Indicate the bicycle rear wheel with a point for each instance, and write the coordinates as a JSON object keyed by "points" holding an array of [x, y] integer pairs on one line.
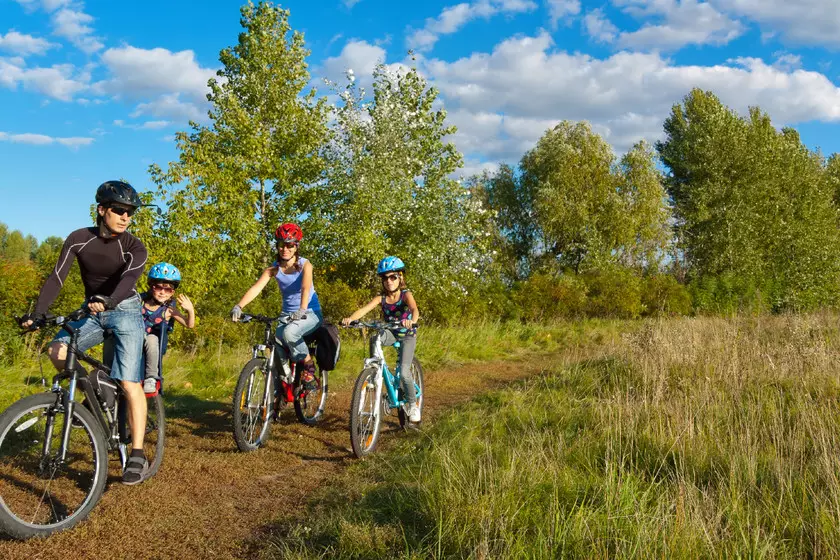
{"points": [[155, 435], [252, 406], [417, 373], [40, 493], [310, 405], [364, 416]]}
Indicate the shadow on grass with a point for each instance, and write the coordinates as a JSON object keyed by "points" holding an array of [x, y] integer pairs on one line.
{"points": [[210, 417]]}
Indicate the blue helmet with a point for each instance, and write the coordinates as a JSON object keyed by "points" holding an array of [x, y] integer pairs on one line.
{"points": [[165, 272], [390, 264]]}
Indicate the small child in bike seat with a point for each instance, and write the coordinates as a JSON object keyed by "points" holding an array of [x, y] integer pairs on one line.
{"points": [[397, 304], [159, 312]]}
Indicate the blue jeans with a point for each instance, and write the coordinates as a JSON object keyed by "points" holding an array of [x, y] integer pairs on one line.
{"points": [[290, 336], [126, 323]]}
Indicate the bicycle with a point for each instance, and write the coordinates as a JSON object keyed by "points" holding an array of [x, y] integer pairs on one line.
{"points": [[253, 400], [54, 449], [365, 408]]}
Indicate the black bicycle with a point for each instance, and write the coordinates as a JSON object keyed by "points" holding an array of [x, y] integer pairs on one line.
{"points": [[265, 386], [54, 449]]}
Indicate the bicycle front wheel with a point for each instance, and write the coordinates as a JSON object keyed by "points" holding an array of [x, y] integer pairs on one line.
{"points": [[252, 406], [41, 493], [310, 405], [365, 417]]}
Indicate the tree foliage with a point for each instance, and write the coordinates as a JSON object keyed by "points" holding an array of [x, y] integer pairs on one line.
{"points": [[251, 167], [751, 201]]}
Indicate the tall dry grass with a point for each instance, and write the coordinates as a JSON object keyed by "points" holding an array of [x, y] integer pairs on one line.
{"points": [[687, 438]]}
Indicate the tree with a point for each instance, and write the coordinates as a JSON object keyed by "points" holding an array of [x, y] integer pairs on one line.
{"points": [[389, 190], [573, 206], [752, 203], [250, 168]]}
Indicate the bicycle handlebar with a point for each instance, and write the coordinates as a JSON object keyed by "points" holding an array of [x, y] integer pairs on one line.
{"points": [[48, 319], [379, 325]]}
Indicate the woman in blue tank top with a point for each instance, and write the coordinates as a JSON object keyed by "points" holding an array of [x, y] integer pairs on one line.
{"points": [[293, 274]]}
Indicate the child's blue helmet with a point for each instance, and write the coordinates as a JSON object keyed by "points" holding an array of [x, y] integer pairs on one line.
{"points": [[390, 264], [165, 272]]}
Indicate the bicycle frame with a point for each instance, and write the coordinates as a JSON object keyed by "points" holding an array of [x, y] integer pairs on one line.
{"points": [[384, 376]]}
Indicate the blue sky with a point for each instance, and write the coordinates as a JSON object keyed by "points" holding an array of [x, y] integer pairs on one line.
{"points": [[92, 91]]}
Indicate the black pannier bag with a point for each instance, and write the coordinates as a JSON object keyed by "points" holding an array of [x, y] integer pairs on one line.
{"points": [[103, 384], [327, 345]]}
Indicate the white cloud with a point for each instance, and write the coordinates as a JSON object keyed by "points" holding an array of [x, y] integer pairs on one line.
{"points": [[359, 56], [806, 22], [60, 81], [148, 125], [73, 25], [683, 22], [350, 3], [73, 142], [169, 106], [504, 100], [141, 73], [452, 18], [560, 9], [599, 27], [24, 45]]}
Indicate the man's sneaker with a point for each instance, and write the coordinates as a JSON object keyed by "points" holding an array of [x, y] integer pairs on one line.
{"points": [[150, 386], [414, 414]]}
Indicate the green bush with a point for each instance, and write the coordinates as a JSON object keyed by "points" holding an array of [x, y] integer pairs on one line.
{"points": [[662, 295], [727, 294], [614, 293], [544, 297]]}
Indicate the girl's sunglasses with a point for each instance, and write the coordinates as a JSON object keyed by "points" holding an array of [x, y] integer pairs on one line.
{"points": [[164, 289], [391, 277], [120, 211]]}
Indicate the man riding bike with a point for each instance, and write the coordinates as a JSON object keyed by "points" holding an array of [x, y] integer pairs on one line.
{"points": [[111, 260]]}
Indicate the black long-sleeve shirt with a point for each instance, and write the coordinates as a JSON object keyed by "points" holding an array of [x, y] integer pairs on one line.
{"points": [[110, 267]]}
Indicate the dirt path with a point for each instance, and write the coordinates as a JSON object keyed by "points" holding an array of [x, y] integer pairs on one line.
{"points": [[208, 500]]}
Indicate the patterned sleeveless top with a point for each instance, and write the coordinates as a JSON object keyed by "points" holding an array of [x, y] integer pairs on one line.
{"points": [[153, 321], [399, 310]]}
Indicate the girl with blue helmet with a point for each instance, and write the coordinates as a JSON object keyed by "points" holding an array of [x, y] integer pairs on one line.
{"points": [[160, 312], [397, 303]]}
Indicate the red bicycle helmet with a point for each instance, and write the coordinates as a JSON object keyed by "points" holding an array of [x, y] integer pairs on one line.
{"points": [[288, 233]]}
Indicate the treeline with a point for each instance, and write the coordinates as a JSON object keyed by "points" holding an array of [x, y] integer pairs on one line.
{"points": [[725, 214]]}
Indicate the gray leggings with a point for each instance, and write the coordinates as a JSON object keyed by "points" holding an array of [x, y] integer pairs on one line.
{"points": [[406, 355], [151, 352]]}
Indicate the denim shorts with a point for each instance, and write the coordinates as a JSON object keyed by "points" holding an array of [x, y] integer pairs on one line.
{"points": [[125, 323]]}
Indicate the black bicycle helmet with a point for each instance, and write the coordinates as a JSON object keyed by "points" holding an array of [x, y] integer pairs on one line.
{"points": [[119, 192]]}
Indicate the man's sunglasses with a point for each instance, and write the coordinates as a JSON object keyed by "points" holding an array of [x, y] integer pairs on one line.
{"points": [[391, 277], [119, 211], [164, 289]]}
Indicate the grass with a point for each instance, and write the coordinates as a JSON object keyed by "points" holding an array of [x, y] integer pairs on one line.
{"points": [[689, 438], [211, 375]]}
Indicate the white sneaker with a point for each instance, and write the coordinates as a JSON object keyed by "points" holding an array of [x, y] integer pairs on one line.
{"points": [[414, 414], [149, 385]]}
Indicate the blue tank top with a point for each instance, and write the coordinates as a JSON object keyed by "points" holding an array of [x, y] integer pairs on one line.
{"points": [[291, 286]]}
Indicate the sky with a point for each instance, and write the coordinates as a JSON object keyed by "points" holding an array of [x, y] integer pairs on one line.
{"points": [[92, 91]]}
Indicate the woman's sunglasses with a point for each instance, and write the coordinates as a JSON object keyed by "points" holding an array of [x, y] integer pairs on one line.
{"points": [[164, 289], [391, 277], [119, 211]]}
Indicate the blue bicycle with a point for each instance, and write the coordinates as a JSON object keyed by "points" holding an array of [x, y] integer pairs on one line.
{"points": [[370, 402]]}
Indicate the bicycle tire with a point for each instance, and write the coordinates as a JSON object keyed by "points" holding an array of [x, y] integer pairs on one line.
{"points": [[364, 420], [155, 440], [417, 371], [310, 405], [251, 415], [35, 501]]}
